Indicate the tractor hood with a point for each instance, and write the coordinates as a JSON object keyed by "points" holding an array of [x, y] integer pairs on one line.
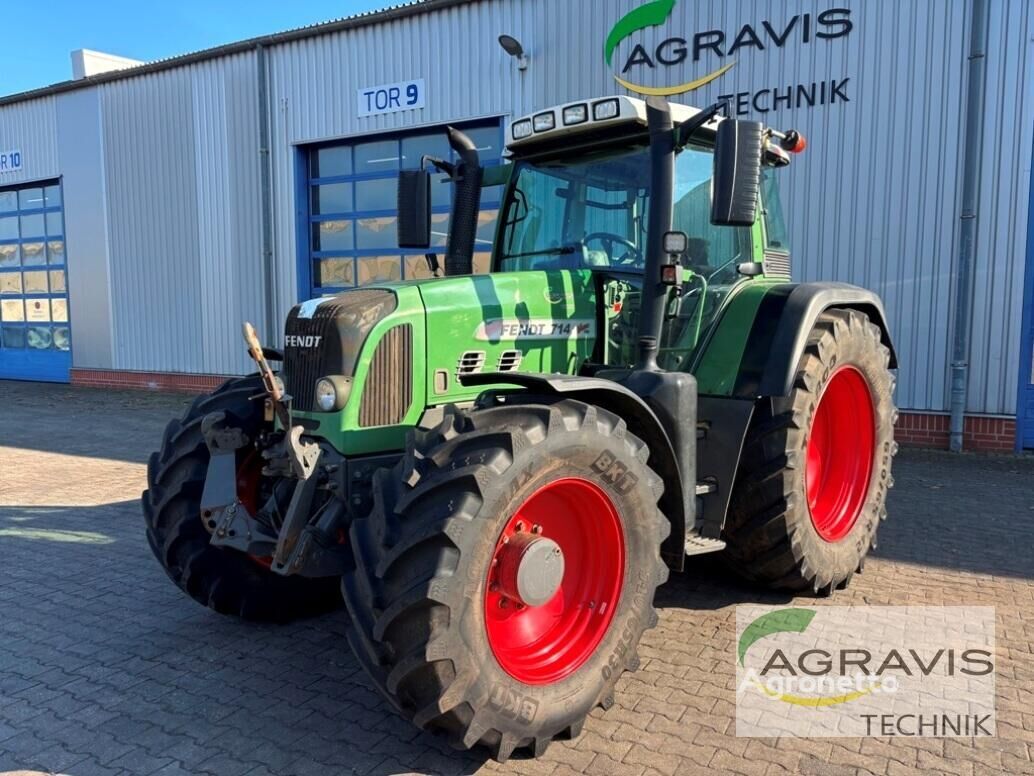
{"points": [[401, 348]]}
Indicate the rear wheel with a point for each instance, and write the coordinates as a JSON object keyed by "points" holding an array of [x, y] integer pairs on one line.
{"points": [[816, 466], [507, 572], [225, 580]]}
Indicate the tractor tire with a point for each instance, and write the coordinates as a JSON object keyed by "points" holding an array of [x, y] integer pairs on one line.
{"points": [[438, 614], [813, 478], [225, 580]]}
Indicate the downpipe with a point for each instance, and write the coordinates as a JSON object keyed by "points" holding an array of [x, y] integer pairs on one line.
{"points": [[972, 150], [662, 175]]}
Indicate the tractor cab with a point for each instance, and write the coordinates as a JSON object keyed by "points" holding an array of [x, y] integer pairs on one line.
{"points": [[577, 198]]}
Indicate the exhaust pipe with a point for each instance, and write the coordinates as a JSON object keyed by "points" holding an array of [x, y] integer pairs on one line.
{"points": [[459, 251], [662, 175]]}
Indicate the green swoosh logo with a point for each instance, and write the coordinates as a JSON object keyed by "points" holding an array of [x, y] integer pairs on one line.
{"points": [[783, 621], [649, 15]]}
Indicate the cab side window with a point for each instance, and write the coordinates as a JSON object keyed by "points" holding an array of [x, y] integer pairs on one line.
{"points": [[776, 238]]}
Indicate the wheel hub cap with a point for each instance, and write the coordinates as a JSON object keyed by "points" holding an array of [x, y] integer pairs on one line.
{"points": [[531, 568]]}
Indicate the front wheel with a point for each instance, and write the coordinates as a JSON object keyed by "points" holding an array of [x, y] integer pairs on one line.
{"points": [[506, 573], [816, 466], [225, 580]]}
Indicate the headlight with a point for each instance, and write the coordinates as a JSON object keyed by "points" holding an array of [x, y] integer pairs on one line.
{"points": [[332, 392], [605, 109], [521, 129], [544, 121], [576, 114], [326, 395]]}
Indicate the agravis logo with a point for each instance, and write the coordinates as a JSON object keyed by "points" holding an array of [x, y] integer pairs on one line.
{"points": [[865, 670], [651, 14], [797, 621], [715, 45]]}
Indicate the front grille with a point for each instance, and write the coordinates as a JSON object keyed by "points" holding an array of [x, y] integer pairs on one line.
{"points": [[776, 265], [388, 391], [341, 324], [470, 363], [509, 361]]}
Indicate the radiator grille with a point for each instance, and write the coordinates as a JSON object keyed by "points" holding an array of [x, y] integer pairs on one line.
{"points": [[509, 360], [776, 265], [388, 392], [470, 363], [340, 323]]}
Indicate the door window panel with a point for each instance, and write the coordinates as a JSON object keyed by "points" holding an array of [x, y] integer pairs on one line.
{"points": [[32, 225], [331, 198], [376, 194], [9, 228], [13, 337], [379, 269], [59, 310], [55, 227], [62, 338], [12, 310], [56, 251], [333, 161], [39, 338], [10, 282], [33, 253], [37, 310], [8, 255]]}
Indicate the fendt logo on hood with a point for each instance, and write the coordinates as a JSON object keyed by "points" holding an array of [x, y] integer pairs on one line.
{"points": [[707, 48], [303, 340]]}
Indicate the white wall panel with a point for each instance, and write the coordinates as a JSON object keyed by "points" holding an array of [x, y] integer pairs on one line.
{"points": [[184, 215], [30, 127]]}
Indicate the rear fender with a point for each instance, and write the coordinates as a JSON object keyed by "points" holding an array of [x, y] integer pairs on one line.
{"points": [[804, 304]]}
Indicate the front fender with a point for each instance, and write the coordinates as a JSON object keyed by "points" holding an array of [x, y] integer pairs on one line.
{"points": [[672, 455]]}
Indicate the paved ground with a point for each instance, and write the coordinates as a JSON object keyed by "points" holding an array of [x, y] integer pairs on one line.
{"points": [[106, 668]]}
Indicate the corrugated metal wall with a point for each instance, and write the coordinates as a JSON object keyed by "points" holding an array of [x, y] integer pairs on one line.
{"points": [[183, 198], [874, 201], [30, 127]]}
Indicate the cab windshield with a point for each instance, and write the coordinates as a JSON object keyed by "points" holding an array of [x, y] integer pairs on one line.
{"points": [[591, 212]]}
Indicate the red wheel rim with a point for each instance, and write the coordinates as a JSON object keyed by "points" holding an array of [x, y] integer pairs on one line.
{"points": [[840, 454], [544, 644], [249, 480]]}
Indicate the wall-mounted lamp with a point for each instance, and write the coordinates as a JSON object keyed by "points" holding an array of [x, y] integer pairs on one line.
{"points": [[513, 47]]}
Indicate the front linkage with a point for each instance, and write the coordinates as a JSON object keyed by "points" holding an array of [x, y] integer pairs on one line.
{"points": [[301, 525]]}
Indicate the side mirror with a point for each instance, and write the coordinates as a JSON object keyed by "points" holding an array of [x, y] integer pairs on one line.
{"points": [[414, 225], [737, 173]]}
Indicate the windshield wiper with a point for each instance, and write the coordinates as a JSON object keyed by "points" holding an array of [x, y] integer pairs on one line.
{"points": [[558, 251]]}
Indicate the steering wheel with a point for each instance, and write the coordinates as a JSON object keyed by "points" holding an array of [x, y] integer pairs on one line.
{"points": [[631, 257]]}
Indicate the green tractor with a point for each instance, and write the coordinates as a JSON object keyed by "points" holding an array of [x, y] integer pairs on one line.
{"points": [[496, 471]]}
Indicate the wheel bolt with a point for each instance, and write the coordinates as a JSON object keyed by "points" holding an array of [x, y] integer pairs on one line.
{"points": [[519, 526], [536, 529]]}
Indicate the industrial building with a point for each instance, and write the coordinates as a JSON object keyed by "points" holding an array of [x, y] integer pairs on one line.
{"points": [[145, 211]]}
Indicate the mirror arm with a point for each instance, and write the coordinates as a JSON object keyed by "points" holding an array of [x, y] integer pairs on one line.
{"points": [[689, 127]]}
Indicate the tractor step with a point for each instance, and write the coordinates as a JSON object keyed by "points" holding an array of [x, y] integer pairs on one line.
{"points": [[700, 545]]}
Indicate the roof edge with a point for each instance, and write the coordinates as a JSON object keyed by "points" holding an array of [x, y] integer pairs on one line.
{"points": [[239, 47]]}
